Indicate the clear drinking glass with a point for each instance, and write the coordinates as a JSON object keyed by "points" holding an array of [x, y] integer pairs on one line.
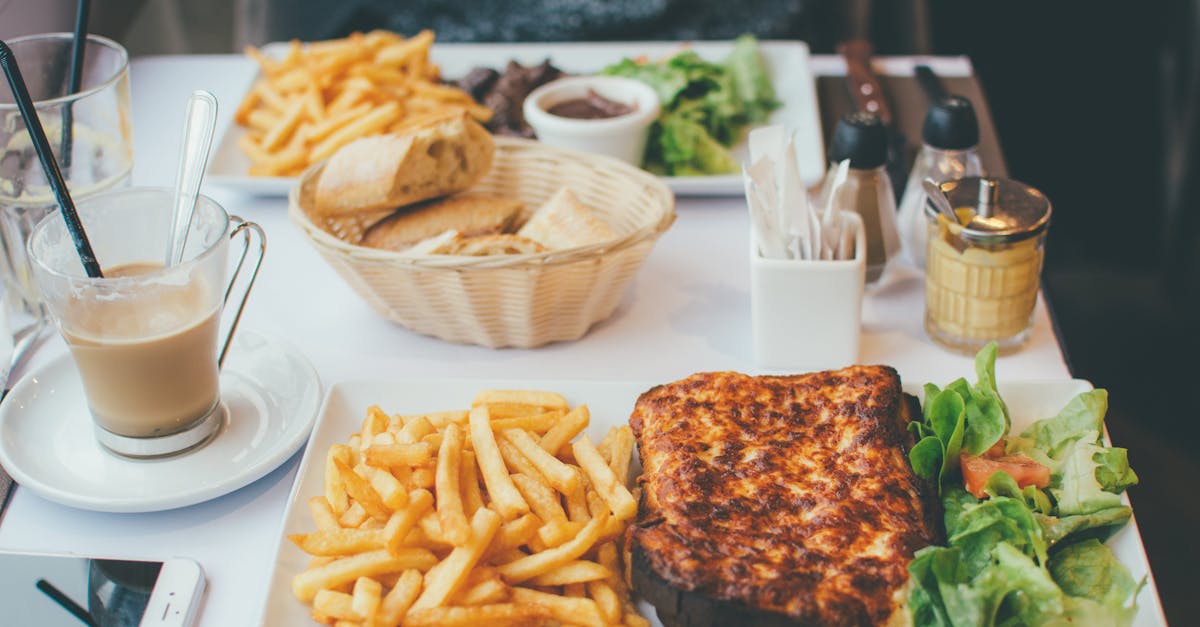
{"points": [[144, 337], [100, 139], [983, 274]]}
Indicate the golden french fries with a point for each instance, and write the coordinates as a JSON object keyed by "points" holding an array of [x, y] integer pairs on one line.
{"points": [[322, 95], [501, 514]]}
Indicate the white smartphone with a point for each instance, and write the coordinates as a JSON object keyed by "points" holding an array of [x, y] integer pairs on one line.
{"points": [[52, 590]]}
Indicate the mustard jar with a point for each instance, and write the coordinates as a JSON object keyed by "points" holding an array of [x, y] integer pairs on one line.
{"points": [[983, 273]]}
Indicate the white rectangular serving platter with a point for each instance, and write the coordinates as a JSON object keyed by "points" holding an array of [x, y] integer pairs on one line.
{"points": [[786, 61], [610, 404]]}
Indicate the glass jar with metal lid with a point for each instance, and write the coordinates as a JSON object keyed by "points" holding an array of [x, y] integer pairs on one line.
{"points": [[984, 270]]}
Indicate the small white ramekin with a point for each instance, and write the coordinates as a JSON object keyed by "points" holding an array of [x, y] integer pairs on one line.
{"points": [[623, 136]]}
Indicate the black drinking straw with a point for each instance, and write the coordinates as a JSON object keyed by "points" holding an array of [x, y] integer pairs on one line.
{"points": [[78, 44], [41, 146]]}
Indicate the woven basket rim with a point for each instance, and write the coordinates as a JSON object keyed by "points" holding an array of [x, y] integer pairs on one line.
{"points": [[636, 176]]}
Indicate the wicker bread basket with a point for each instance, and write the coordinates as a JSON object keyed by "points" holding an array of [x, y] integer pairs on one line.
{"points": [[507, 300]]}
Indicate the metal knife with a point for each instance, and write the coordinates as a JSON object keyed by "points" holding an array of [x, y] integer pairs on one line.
{"points": [[868, 96]]}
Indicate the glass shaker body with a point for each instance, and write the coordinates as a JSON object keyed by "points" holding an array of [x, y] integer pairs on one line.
{"points": [[940, 165], [976, 293], [869, 194], [984, 270]]}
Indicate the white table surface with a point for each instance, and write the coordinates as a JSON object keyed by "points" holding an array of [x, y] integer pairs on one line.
{"points": [[688, 310]]}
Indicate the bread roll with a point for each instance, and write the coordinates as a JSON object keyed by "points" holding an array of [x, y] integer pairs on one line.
{"points": [[468, 213], [498, 244], [435, 155], [564, 222]]}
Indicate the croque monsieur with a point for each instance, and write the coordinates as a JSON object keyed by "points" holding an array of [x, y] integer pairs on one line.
{"points": [[778, 500]]}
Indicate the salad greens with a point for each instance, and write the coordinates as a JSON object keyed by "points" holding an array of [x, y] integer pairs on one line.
{"points": [[705, 107], [1022, 555], [961, 418]]}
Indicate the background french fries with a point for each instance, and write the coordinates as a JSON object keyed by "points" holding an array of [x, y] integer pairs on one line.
{"points": [[501, 514], [322, 95]]}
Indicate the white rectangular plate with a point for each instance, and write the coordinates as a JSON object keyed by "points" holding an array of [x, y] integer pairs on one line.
{"points": [[610, 403], [787, 62]]}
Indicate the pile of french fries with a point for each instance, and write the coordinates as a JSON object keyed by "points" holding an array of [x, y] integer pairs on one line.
{"points": [[503, 514], [322, 95]]}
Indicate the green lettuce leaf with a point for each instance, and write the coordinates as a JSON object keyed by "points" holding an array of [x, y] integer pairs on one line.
{"points": [[1021, 556], [1009, 589], [1074, 485], [1030, 595], [1099, 525], [1002, 484], [1082, 417], [705, 107], [926, 574], [981, 526], [926, 457], [949, 424], [1113, 471], [943, 593], [1080, 611], [667, 80], [987, 416], [962, 418], [1086, 476], [955, 501], [688, 150], [1103, 590], [750, 81]]}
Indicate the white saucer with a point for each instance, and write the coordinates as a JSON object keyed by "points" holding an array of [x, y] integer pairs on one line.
{"points": [[48, 445]]}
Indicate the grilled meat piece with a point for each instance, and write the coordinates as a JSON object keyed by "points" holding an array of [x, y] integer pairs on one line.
{"points": [[504, 93], [778, 499]]}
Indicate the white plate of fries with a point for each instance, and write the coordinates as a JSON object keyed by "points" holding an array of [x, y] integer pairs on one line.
{"points": [[319, 96], [462, 502]]}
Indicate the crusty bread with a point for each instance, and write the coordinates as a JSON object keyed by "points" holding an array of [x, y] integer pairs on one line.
{"points": [[498, 244], [469, 213], [564, 222], [433, 156], [435, 245]]}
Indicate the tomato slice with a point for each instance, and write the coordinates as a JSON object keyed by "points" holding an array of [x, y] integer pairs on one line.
{"points": [[977, 469], [996, 451]]}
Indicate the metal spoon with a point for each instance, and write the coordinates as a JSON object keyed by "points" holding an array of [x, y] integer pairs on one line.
{"points": [[200, 120], [939, 200]]}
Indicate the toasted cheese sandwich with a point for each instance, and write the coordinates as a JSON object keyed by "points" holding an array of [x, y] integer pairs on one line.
{"points": [[778, 500]]}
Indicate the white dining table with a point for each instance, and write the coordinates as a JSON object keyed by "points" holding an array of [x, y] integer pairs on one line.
{"points": [[687, 310]]}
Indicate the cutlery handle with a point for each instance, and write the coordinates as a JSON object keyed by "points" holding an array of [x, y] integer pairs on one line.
{"points": [[199, 122], [864, 85]]}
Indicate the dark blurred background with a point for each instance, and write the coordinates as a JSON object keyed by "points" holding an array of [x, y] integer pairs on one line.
{"points": [[1095, 103]]}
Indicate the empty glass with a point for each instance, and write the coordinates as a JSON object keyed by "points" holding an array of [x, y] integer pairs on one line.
{"points": [[95, 153]]}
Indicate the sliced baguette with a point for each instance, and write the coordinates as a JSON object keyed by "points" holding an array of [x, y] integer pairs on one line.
{"points": [[469, 213], [433, 156], [498, 244], [564, 222]]}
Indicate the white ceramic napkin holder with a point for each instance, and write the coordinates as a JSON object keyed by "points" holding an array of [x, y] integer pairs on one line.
{"points": [[807, 314]]}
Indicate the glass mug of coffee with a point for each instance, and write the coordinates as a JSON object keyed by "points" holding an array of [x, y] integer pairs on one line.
{"points": [[145, 337]]}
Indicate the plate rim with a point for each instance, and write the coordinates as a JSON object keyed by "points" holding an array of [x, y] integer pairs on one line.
{"points": [[282, 449], [1150, 608], [717, 185]]}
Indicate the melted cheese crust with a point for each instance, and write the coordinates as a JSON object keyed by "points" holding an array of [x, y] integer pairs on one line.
{"points": [[790, 494]]}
